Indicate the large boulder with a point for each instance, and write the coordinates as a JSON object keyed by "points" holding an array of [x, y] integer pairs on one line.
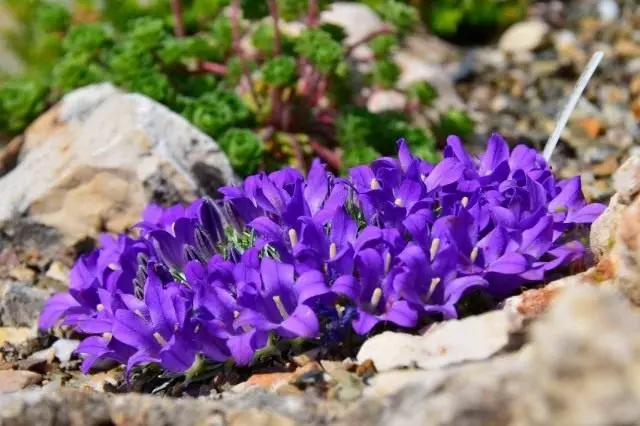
{"points": [[93, 162]]}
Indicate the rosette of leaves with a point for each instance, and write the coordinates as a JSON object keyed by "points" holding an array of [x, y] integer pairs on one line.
{"points": [[295, 92]]}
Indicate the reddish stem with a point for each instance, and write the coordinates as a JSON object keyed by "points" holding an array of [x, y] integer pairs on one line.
{"points": [[312, 17], [235, 31], [326, 154], [273, 10], [213, 68], [368, 38], [176, 9]]}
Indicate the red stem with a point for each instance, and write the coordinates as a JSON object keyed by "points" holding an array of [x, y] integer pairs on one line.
{"points": [[176, 9], [213, 68], [312, 17], [235, 30], [326, 154], [273, 10], [368, 38]]}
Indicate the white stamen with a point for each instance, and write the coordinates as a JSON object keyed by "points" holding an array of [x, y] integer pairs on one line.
{"points": [[375, 297], [333, 250], [474, 254], [236, 314], [464, 201], [113, 267], [398, 202], [107, 336], [387, 262], [280, 306], [196, 328], [138, 313], [571, 104], [159, 338], [432, 287], [293, 237], [374, 184], [435, 244], [99, 307]]}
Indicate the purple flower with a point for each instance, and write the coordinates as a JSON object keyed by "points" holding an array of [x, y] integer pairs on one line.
{"points": [[399, 241]]}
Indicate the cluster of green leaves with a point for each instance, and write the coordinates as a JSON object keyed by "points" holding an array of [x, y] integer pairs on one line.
{"points": [[465, 21], [300, 87]]}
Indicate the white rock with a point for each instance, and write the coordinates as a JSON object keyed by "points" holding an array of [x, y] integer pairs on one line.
{"points": [[64, 348], [97, 158], [385, 100], [450, 342], [523, 36], [358, 20], [608, 10]]}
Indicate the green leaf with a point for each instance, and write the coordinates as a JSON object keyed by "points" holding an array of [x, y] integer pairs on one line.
{"points": [[21, 101], [77, 70], [422, 92], [383, 44], [52, 17], [87, 39], [280, 71], [244, 149], [148, 32], [455, 122], [320, 48], [385, 73]]}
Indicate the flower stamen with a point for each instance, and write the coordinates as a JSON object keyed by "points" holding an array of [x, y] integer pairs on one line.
{"points": [[159, 338], [333, 250], [464, 201], [293, 237], [107, 336], [398, 202], [375, 297], [283, 312], [374, 184], [474, 254], [435, 244], [100, 307]]}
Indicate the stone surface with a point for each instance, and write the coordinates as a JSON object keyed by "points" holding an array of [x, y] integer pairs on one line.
{"points": [[523, 36], [384, 100], [357, 19], [93, 161], [64, 348], [626, 180], [603, 230], [20, 304], [626, 252], [450, 342], [15, 335], [81, 408], [15, 380]]}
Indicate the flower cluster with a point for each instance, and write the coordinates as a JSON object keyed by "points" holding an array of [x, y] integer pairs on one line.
{"points": [[288, 257]]}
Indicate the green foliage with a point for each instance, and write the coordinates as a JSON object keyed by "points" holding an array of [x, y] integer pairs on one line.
{"points": [[320, 48], [422, 92], [382, 45], [244, 149], [86, 39], [21, 101], [280, 71], [385, 73], [455, 122], [266, 106], [462, 19]]}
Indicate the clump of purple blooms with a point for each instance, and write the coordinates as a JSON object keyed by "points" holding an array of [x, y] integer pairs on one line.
{"points": [[283, 257]]}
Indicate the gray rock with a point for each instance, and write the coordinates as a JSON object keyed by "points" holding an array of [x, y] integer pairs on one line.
{"points": [[447, 343], [626, 251], [524, 36], [20, 304], [581, 367], [626, 179], [608, 10], [603, 230], [97, 158], [67, 407]]}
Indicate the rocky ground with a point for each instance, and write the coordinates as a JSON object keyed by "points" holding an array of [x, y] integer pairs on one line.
{"points": [[563, 354]]}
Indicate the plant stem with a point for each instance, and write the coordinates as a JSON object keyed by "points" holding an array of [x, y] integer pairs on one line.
{"points": [[368, 38], [312, 17], [235, 30], [213, 68], [273, 10], [176, 9], [332, 159]]}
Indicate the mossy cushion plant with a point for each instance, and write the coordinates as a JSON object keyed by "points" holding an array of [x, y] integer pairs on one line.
{"points": [[269, 97]]}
